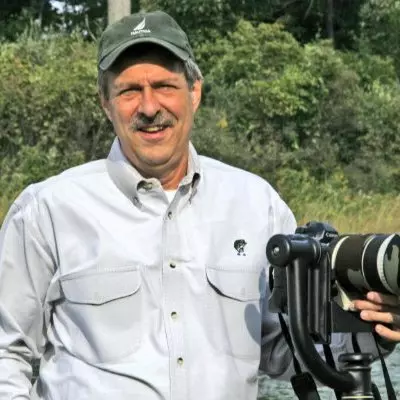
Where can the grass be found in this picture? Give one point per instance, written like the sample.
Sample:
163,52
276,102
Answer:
335,202
378,214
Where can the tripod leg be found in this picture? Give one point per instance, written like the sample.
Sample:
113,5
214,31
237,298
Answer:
375,392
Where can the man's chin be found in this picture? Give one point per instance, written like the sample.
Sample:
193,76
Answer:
155,159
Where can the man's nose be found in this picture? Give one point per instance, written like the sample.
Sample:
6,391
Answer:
149,105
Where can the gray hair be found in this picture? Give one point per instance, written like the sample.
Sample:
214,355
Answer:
189,67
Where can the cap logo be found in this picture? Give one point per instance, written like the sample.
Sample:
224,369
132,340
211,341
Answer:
139,28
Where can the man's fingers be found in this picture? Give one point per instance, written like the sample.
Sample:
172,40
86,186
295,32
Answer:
366,305
378,302
379,298
385,317
387,333
384,309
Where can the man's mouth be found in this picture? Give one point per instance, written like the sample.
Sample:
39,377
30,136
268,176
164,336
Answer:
153,129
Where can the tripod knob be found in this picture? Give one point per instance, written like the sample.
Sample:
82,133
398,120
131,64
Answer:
359,366
283,249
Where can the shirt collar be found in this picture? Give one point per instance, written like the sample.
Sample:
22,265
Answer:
128,179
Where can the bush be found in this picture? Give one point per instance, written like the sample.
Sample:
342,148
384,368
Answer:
48,93
270,105
32,164
50,118
306,107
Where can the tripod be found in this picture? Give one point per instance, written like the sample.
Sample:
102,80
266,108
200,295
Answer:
311,310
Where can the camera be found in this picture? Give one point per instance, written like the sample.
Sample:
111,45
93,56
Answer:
315,275
340,268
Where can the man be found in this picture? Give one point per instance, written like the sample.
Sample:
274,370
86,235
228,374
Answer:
143,276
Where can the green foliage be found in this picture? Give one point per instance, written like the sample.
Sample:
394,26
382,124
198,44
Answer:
201,19
86,16
16,15
48,91
302,188
270,105
380,29
49,106
378,160
305,107
306,20
333,200
34,164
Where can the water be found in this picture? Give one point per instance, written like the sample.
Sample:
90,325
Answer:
276,390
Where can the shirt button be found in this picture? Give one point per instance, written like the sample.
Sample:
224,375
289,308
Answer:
180,361
174,315
169,214
147,186
172,265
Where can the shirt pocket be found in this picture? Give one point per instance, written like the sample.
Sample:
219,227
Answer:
101,317
234,305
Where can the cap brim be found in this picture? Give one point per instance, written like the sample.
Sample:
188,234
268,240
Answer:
109,59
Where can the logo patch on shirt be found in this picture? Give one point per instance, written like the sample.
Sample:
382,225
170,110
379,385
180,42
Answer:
239,245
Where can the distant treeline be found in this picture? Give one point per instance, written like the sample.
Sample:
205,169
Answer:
317,121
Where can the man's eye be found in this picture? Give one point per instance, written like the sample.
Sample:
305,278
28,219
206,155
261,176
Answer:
129,91
166,86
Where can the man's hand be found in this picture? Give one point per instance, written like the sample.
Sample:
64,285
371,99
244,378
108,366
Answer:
379,307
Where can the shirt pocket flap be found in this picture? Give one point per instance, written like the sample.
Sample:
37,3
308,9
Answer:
101,286
239,285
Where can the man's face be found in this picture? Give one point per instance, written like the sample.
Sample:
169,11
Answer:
152,108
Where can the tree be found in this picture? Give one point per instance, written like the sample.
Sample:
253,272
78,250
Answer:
17,15
306,20
88,16
337,20
118,9
381,29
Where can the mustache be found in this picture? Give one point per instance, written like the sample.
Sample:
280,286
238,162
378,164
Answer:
142,121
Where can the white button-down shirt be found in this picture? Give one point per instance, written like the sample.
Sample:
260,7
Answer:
125,295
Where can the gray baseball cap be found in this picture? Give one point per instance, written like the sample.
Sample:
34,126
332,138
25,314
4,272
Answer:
152,27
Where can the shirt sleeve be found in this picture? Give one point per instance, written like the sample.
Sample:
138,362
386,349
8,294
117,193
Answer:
276,358
26,268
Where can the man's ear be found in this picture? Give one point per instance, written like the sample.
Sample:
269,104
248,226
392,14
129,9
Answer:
196,94
105,104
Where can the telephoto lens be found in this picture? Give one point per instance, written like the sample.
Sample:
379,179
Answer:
362,263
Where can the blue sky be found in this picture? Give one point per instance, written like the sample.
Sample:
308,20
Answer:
59,5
